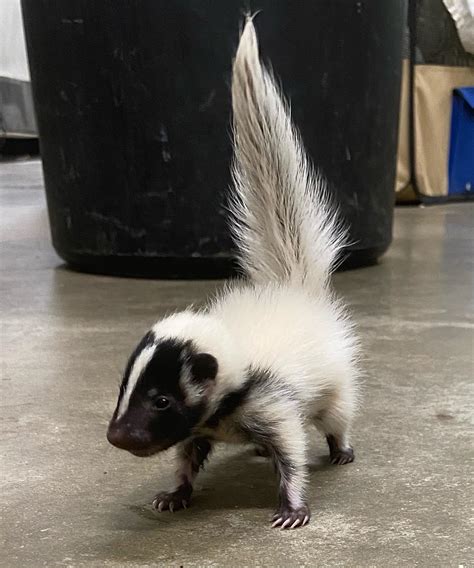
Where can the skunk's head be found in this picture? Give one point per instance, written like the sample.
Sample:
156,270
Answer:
163,395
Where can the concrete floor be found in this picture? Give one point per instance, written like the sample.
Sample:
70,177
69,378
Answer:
70,499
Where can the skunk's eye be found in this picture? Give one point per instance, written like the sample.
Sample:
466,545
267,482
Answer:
161,403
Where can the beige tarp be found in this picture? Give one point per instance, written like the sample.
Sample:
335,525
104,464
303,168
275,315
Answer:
432,119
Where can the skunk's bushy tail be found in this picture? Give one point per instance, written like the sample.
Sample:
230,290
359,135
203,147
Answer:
282,221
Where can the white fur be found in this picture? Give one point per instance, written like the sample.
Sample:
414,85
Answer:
286,320
208,335
282,222
193,391
138,367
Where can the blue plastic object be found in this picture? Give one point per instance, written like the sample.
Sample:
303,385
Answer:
461,149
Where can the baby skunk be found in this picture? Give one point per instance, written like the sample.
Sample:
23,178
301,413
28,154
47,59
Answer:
269,356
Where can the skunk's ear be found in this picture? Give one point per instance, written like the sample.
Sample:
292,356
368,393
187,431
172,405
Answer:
204,367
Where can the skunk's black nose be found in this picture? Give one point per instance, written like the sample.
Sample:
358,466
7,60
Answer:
126,438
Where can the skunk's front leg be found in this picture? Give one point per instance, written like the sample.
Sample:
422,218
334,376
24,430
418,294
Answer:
286,444
191,456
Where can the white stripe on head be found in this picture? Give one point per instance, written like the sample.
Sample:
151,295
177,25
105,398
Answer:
138,367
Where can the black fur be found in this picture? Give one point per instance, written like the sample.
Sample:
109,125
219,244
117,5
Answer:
203,367
144,425
229,404
339,454
256,378
193,452
164,370
196,451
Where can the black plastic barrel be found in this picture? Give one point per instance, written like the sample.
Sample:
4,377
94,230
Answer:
133,107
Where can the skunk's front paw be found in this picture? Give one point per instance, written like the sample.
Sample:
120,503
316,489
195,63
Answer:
290,518
174,500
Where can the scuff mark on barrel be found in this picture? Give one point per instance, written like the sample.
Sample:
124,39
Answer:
163,138
117,224
208,102
163,135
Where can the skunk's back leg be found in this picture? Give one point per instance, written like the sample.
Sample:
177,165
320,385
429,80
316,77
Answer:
334,422
340,452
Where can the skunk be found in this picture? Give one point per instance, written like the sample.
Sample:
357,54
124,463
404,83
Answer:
271,354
